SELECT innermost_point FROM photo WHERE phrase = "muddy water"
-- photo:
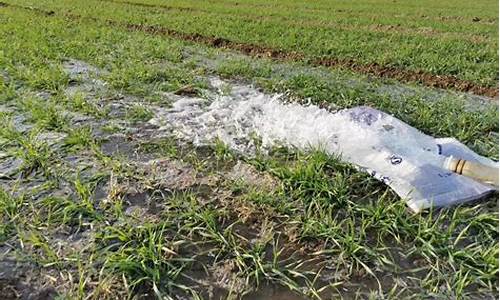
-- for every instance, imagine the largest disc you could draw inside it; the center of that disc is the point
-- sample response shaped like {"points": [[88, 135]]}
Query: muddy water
{"points": [[270, 292], [140, 201]]}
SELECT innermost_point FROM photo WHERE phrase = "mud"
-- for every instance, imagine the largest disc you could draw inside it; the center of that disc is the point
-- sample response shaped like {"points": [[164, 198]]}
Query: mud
{"points": [[162, 6], [251, 176], [10, 167], [119, 145], [403, 75], [266, 292], [15, 282], [31, 8], [282, 71], [224, 277]]}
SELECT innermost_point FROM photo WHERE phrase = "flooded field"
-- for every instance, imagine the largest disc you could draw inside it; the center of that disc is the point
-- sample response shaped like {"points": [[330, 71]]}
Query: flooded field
{"points": [[144, 165]]}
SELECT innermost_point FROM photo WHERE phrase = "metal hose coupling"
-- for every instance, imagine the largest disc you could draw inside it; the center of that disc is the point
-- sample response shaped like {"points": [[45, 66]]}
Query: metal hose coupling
{"points": [[477, 171]]}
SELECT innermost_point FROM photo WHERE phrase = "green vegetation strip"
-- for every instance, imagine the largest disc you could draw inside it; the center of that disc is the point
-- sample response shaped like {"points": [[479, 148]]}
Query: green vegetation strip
{"points": [[307, 21], [165, 22]]}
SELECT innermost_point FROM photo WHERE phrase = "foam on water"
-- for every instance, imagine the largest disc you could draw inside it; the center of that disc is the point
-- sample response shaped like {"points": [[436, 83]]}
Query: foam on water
{"points": [[392, 151], [236, 116]]}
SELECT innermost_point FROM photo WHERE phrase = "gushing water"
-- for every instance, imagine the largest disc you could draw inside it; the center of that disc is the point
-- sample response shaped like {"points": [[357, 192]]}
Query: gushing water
{"points": [[390, 150]]}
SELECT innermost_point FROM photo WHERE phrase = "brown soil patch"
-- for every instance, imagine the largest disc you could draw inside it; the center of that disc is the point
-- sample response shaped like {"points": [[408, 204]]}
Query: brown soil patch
{"points": [[403, 75], [251, 176], [35, 9], [162, 6]]}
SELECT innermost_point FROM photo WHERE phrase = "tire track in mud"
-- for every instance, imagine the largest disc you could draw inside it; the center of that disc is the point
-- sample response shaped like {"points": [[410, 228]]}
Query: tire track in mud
{"points": [[259, 51], [160, 6]]}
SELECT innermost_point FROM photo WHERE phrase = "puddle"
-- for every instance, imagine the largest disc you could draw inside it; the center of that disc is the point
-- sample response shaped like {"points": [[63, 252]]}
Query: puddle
{"points": [[19, 123], [9, 167], [235, 114], [118, 144], [251, 176], [271, 292], [83, 79], [169, 174], [79, 69], [53, 139]]}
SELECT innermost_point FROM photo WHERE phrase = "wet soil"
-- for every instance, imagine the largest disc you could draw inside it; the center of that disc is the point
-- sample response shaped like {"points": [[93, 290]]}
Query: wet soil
{"points": [[403, 75], [162, 6], [267, 292], [16, 282]]}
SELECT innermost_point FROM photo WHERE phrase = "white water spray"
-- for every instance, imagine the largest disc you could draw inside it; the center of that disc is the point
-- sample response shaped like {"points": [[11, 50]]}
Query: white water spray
{"points": [[390, 150]]}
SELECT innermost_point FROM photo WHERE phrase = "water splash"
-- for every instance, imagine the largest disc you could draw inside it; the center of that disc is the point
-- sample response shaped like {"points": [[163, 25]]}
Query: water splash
{"points": [[390, 150]]}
